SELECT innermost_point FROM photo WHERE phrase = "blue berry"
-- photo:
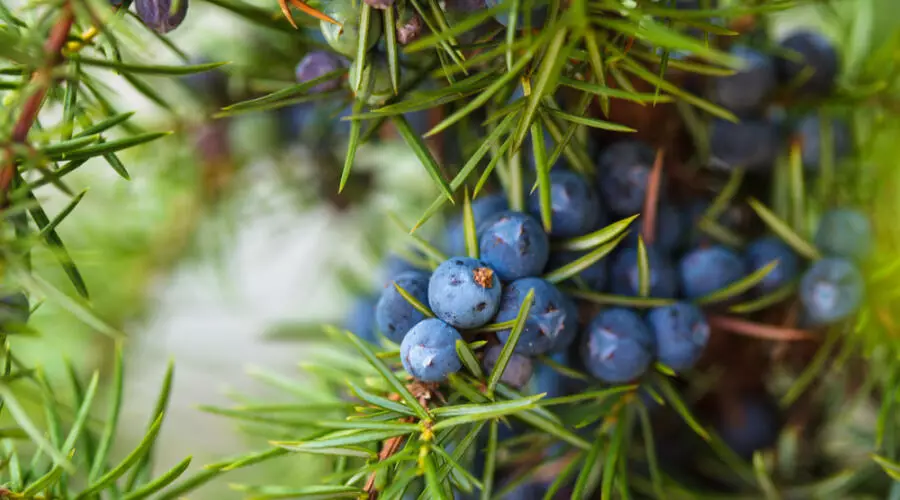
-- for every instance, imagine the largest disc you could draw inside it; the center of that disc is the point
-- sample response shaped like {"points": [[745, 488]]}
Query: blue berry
{"points": [[344, 37], [731, 218], [574, 204], [14, 309], [548, 381], [514, 244], [361, 318], [751, 425], [670, 228], [681, 334], [316, 64], [624, 170], [394, 266], [393, 314], [809, 130], [428, 352], [764, 250], [482, 208], [844, 232], [831, 290], [552, 320], [751, 144], [464, 292], [816, 53], [537, 19], [158, 16], [594, 276], [518, 371], [626, 273], [706, 270], [747, 89], [619, 346]]}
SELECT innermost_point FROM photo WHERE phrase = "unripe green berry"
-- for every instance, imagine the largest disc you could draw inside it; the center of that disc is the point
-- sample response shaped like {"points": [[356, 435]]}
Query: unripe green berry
{"points": [[345, 38]]}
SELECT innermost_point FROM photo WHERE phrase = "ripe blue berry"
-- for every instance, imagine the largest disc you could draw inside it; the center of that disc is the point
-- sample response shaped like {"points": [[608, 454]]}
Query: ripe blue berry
{"points": [[623, 171], [428, 352], [518, 371], [750, 425], [394, 315], [831, 290], [552, 320], [670, 228], [537, 19], [731, 218], [681, 334], [706, 270], [361, 318], [844, 232], [764, 250], [594, 276], [394, 266], [482, 208], [626, 273], [344, 37], [574, 204], [548, 381], [158, 16], [464, 292], [619, 346], [809, 130], [513, 244], [817, 65], [751, 144], [747, 89], [318, 63]]}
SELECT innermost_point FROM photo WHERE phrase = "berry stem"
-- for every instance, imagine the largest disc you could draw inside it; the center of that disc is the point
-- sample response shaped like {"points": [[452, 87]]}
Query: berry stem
{"points": [[43, 80]]}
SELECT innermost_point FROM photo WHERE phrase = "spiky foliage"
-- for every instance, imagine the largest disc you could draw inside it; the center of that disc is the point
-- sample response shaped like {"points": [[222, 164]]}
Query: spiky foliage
{"points": [[595, 65]]}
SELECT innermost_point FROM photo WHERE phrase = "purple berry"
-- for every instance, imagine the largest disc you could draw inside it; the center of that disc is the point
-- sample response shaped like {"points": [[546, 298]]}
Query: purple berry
{"points": [[464, 292], [681, 334], [158, 16], [394, 266], [747, 89], [518, 371], [316, 64], [817, 65], [626, 274], [623, 172], [809, 130], [552, 320], [831, 290], [707, 270], [393, 314], [513, 244], [846, 233], [618, 346], [428, 351], [751, 144], [764, 250], [574, 204]]}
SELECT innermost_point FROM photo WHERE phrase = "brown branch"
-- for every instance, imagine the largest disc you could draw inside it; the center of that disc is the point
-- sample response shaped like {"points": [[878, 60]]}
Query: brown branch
{"points": [[758, 330], [651, 202], [43, 79]]}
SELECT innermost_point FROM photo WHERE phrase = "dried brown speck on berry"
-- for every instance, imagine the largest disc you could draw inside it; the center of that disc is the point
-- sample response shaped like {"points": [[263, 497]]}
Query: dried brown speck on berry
{"points": [[483, 276]]}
